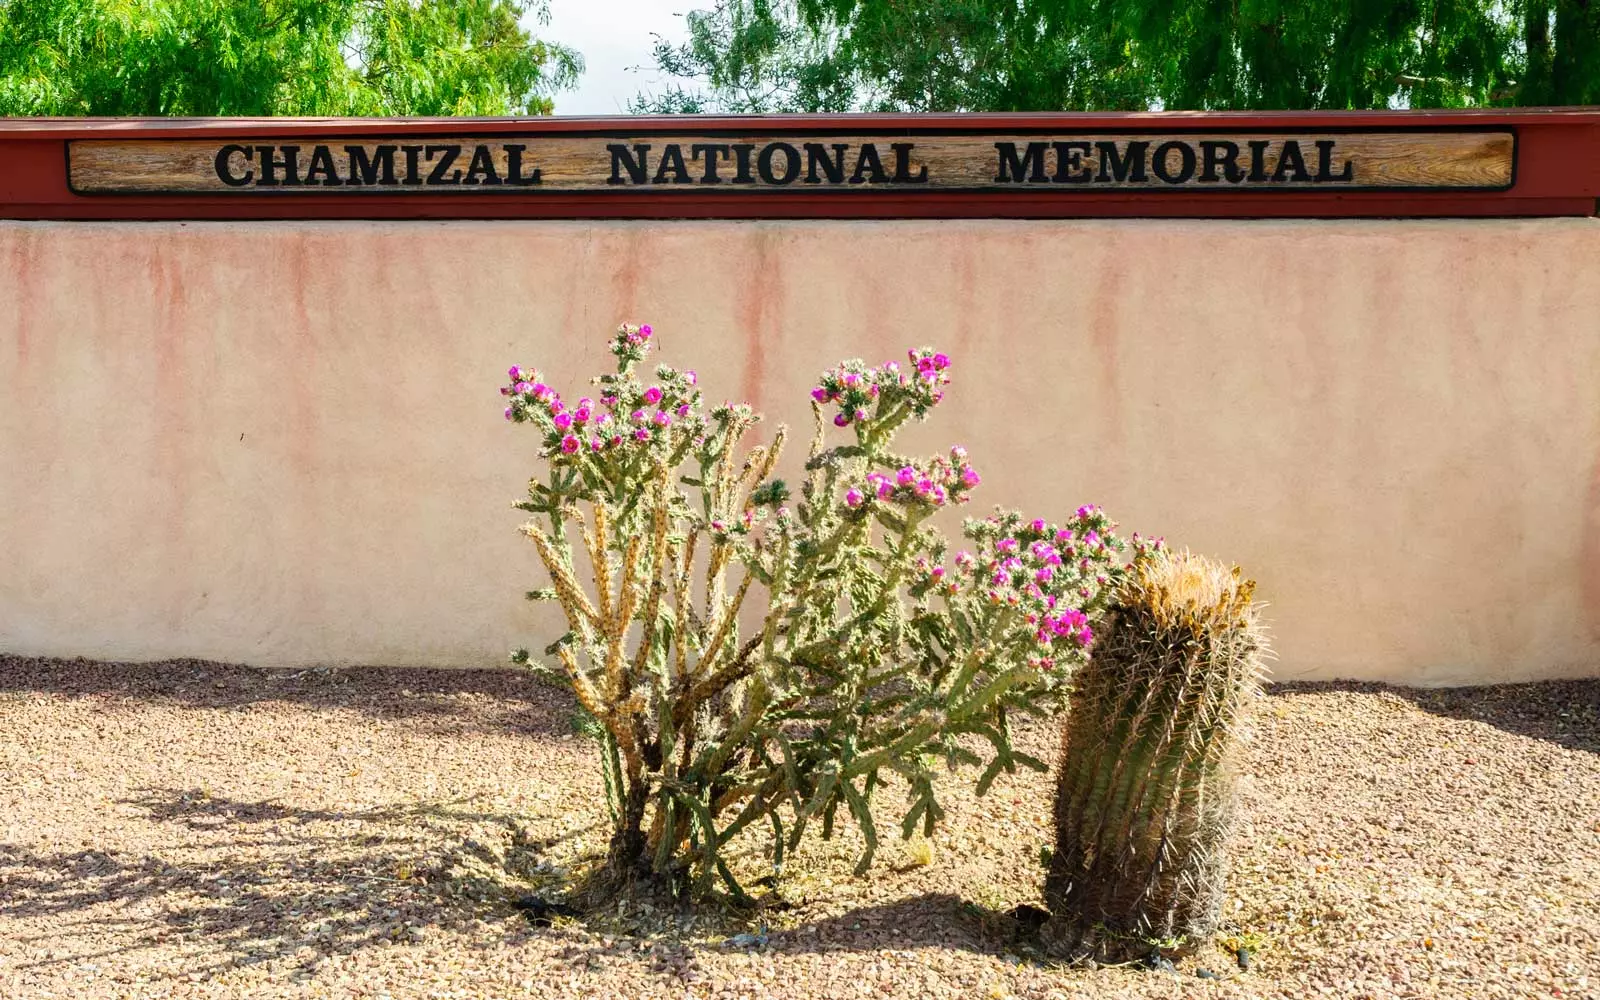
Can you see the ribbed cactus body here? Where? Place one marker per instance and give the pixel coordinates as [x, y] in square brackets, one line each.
[1145, 789]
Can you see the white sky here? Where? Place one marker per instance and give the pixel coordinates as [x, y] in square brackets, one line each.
[615, 39]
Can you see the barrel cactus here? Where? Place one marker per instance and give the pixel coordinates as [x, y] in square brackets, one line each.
[1145, 790]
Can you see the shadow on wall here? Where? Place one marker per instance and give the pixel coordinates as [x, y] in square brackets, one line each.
[1566, 713]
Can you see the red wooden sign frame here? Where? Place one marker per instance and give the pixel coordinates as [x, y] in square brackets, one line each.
[1557, 169]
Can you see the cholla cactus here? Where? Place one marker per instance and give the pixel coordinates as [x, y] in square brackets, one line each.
[869, 656]
[1145, 793]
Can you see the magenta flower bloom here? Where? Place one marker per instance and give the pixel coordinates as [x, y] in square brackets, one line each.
[1001, 578]
[616, 439]
[569, 444]
[692, 377]
[661, 419]
[885, 489]
[861, 414]
[964, 559]
[520, 387]
[642, 434]
[1006, 545]
[515, 372]
[853, 498]
[645, 331]
[1038, 524]
[1085, 636]
[637, 416]
[508, 413]
[1044, 574]
[595, 444]
[683, 409]
[505, 390]
[969, 476]
[850, 378]
[563, 421]
[819, 394]
[556, 405]
[537, 388]
[937, 572]
[842, 420]
[958, 454]
[939, 495]
[652, 395]
[906, 476]
[581, 414]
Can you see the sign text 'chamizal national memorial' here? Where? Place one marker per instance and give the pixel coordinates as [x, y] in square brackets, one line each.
[1197, 161]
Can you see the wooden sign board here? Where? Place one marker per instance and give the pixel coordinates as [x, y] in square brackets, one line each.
[790, 162]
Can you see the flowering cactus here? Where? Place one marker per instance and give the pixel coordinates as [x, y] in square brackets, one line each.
[869, 655]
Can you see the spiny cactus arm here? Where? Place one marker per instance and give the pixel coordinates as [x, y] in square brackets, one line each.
[659, 571]
[594, 542]
[736, 669]
[715, 648]
[580, 612]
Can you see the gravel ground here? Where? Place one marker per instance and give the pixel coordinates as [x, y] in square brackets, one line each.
[198, 830]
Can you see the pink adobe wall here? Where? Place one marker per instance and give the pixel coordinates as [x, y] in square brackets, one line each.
[280, 443]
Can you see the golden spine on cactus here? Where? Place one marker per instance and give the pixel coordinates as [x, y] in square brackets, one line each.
[1144, 796]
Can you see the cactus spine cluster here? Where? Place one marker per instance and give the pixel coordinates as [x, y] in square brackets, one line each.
[1145, 790]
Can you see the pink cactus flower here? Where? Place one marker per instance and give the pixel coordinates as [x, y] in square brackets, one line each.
[569, 444]
[652, 395]
[563, 421]
[885, 489]
[581, 414]
[661, 419]
[842, 420]
[638, 416]
[642, 434]
[906, 476]
[692, 377]
[515, 372]
[819, 394]
[969, 476]
[853, 498]
[508, 413]
[645, 331]
[683, 409]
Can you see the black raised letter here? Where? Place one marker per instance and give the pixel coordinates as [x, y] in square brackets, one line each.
[1118, 168]
[817, 153]
[437, 175]
[791, 163]
[1014, 169]
[379, 169]
[1325, 164]
[1258, 159]
[482, 169]
[225, 173]
[902, 164]
[1220, 153]
[672, 159]
[709, 152]
[1289, 158]
[269, 166]
[412, 153]
[638, 170]
[322, 165]
[1158, 162]
[1069, 157]
[867, 160]
[741, 163]
[514, 167]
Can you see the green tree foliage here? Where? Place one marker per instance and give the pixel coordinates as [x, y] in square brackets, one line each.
[277, 57]
[1041, 55]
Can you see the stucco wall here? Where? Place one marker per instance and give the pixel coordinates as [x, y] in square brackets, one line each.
[280, 443]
